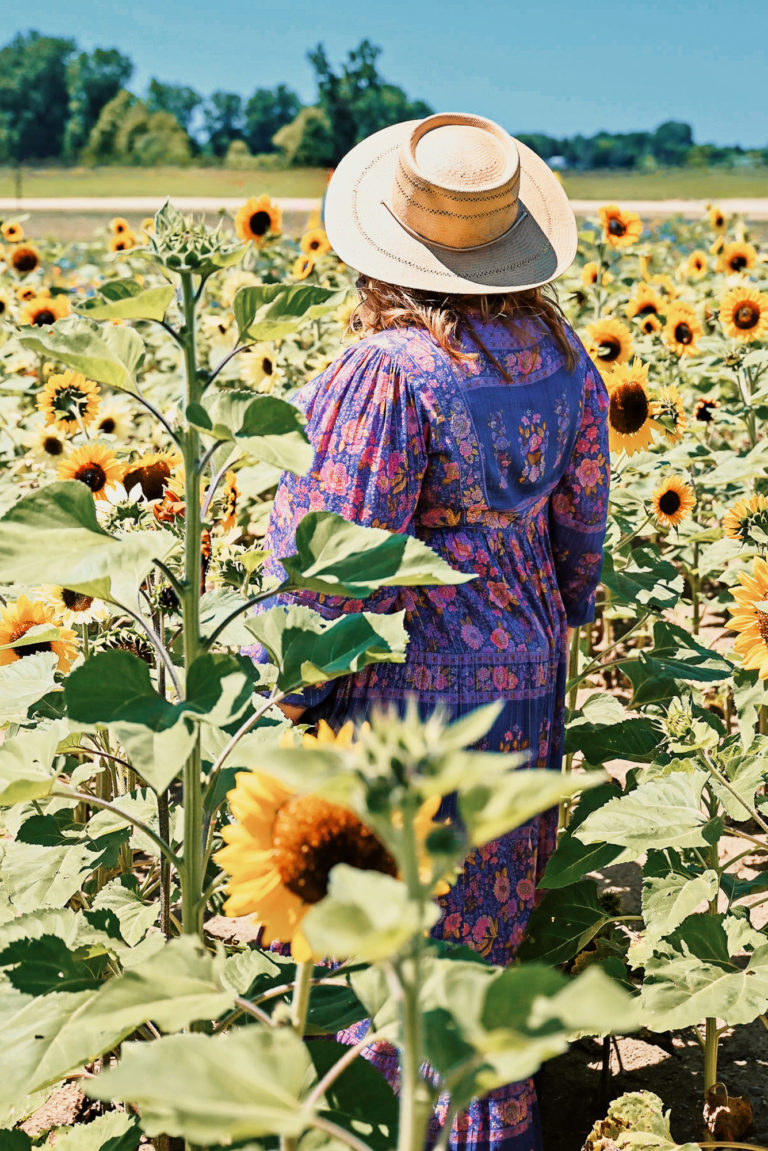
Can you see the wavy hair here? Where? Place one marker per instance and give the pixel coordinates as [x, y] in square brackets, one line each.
[446, 317]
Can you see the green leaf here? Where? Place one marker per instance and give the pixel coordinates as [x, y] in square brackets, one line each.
[366, 915]
[633, 739]
[52, 536]
[26, 763]
[647, 579]
[665, 812]
[127, 300]
[135, 917]
[37, 966]
[564, 923]
[337, 557]
[490, 808]
[360, 1099]
[271, 311]
[670, 899]
[109, 355]
[573, 859]
[267, 428]
[115, 1131]
[214, 1089]
[307, 648]
[750, 693]
[36, 876]
[24, 682]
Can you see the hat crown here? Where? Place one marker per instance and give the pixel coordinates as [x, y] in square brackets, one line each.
[457, 181]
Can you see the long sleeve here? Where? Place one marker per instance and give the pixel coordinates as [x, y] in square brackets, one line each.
[370, 457]
[579, 505]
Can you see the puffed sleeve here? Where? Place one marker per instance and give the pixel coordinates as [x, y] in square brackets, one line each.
[579, 506]
[370, 458]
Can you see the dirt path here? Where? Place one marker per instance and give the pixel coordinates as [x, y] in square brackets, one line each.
[754, 208]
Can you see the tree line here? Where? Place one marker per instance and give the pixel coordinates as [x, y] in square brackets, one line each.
[58, 103]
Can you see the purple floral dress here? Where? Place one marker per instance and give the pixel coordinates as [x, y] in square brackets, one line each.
[505, 479]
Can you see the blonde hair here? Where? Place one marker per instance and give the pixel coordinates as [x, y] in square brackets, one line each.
[385, 306]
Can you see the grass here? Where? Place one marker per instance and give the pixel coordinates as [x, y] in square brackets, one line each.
[682, 183]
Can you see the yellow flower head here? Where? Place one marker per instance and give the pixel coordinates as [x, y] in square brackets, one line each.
[744, 314]
[12, 232]
[302, 267]
[609, 342]
[230, 496]
[650, 324]
[43, 310]
[17, 618]
[682, 330]
[94, 465]
[24, 259]
[673, 501]
[122, 241]
[72, 607]
[257, 217]
[645, 302]
[620, 229]
[118, 225]
[697, 264]
[746, 514]
[668, 407]
[717, 221]
[69, 401]
[315, 243]
[739, 256]
[704, 409]
[751, 620]
[151, 472]
[630, 409]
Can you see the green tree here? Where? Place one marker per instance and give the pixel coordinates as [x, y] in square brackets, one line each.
[307, 140]
[34, 96]
[180, 100]
[672, 141]
[93, 79]
[126, 132]
[223, 117]
[267, 111]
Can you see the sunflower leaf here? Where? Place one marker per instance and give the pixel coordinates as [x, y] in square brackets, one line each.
[115, 1131]
[53, 536]
[265, 427]
[26, 764]
[109, 355]
[127, 300]
[24, 682]
[271, 311]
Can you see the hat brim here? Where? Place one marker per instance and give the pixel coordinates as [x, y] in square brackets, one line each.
[365, 234]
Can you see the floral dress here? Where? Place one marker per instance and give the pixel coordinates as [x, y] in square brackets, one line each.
[507, 479]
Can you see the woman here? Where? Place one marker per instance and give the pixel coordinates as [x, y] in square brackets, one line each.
[470, 416]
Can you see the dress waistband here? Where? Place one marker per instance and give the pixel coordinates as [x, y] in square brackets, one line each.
[479, 517]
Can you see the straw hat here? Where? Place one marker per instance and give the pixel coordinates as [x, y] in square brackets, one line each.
[451, 203]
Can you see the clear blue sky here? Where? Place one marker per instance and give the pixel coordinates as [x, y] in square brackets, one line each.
[558, 67]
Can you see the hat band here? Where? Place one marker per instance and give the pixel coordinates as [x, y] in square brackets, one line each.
[521, 215]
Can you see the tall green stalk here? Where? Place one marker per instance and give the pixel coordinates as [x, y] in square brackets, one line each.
[192, 867]
[711, 1034]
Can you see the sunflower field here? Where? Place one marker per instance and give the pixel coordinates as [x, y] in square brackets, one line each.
[178, 860]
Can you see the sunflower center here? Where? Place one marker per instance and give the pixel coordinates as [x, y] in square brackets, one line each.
[609, 349]
[75, 601]
[92, 475]
[649, 326]
[24, 261]
[683, 333]
[746, 316]
[267, 366]
[259, 223]
[311, 836]
[44, 316]
[151, 479]
[669, 503]
[52, 446]
[704, 411]
[107, 425]
[762, 625]
[737, 263]
[628, 408]
[30, 648]
[3, 306]
[617, 227]
[647, 310]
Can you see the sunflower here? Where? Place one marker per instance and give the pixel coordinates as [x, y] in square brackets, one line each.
[94, 465]
[610, 342]
[122, 242]
[697, 264]
[114, 420]
[673, 502]
[302, 267]
[41, 311]
[750, 620]
[148, 224]
[25, 258]
[744, 314]
[72, 607]
[118, 225]
[668, 407]
[630, 410]
[704, 409]
[682, 330]
[282, 848]
[17, 618]
[650, 324]
[315, 243]
[746, 514]
[5, 305]
[12, 232]
[589, 273]
[716, 218]
[230, 496]
[46, 441]
[258, 368]
[645, 302]
[739, 256]
[620, 229]
[29, 291]
[151, 472]
[257, 217]
[69, 401]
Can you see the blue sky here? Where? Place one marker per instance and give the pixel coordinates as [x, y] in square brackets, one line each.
[561, 67]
